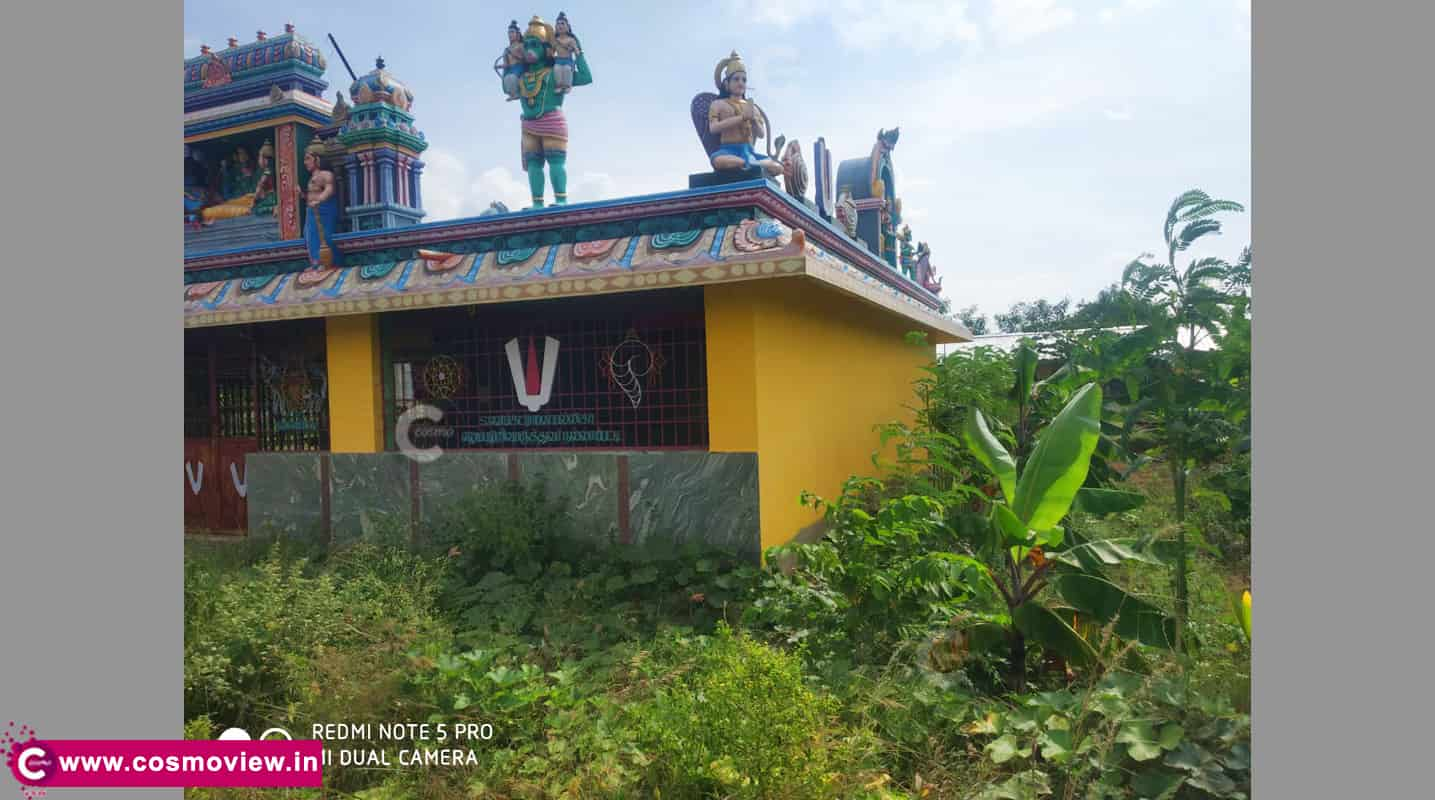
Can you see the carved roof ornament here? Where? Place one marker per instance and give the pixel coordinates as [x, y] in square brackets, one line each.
[341, 108]
[214, 72]
[276, 95]
[794, 169]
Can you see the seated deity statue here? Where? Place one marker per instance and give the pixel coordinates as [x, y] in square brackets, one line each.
[240, 181]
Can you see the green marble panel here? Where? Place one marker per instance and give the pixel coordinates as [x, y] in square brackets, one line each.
[695, 498]
[370, 497]
[284, 495]
[446, 480]
[585, 483]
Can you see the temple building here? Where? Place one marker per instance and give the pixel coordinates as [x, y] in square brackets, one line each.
[676, 367]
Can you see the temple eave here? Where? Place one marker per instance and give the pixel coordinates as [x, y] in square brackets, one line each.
[630, 216]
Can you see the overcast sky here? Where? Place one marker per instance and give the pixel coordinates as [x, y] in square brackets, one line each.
[1042, 140]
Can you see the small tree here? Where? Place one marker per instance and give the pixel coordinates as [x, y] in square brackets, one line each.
[975, 321]
[1034, 551]
[1192, 399]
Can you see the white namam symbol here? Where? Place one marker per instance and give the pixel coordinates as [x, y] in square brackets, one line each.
[533, 391]
[195, 478]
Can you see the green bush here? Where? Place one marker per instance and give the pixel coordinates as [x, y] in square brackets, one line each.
[262, 638]
[1122, 736]
[500, 526]
[741, 723]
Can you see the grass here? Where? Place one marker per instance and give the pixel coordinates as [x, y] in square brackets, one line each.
[614, 678]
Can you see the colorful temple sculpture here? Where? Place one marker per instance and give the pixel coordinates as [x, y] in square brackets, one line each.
[679, 366]
[869, 182]
[255, 113]
[539, 67]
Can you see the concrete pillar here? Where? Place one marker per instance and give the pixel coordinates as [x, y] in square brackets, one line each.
[356, 405]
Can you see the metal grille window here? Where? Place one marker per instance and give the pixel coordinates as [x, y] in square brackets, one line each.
[265, 383]
[619, 372]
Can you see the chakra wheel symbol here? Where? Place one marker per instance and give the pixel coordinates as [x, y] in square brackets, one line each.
[442, 377]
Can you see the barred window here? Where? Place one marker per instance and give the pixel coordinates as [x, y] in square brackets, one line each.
[616, 372]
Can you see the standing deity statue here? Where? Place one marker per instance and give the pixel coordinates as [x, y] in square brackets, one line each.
[321, 220]
[846, 213]
[545, 129]
[265, 198]
[729, 123]
[510, 62]
[907, 260]
[565, 50]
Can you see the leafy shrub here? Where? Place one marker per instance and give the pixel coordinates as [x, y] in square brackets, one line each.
[1118, 736]
[874, 581]
[259, 639]
[500, 526]
[742, 723]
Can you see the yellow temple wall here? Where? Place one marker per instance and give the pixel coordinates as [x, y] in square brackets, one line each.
[356, 419]
[801, 374]
[798, 373]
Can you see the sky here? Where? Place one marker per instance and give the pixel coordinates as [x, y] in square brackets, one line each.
[1041, 140]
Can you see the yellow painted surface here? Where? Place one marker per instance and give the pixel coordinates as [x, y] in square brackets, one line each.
[356, 423]
[824, 369]
[732, 368]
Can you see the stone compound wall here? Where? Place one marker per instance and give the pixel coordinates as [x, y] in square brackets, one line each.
[637, 498]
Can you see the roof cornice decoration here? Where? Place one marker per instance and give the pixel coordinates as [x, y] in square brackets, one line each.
[645, 215]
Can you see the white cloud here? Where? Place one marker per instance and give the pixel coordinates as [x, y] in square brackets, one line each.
[452, 189]
[1117, 115]
[1018, 20]
[1112, 13]
[922, 25]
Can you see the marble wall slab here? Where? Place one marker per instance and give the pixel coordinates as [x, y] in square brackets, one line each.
[585, 483]
[370, 495]
[284, 494]
[444, 481]
[673, 499]
[689, 498]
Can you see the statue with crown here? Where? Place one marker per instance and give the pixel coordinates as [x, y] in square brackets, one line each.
[539, 68]
[321, 210]
[729, 123]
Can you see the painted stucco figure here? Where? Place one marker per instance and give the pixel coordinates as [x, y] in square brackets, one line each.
[565, 51]
[265, 198]
[321, 216]
[239, 178]
[926, 274]
[729, 123]
[510, 62]
[545, 128]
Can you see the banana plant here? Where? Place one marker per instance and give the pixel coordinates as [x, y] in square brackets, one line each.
[1047, 574]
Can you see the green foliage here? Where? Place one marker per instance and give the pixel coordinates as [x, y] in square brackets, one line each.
[1032, 551]
[1120, 736]
[1033, 317]
[875, 580]
[258, 640]
[500, 526]
[741, 723]
[974, 320]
